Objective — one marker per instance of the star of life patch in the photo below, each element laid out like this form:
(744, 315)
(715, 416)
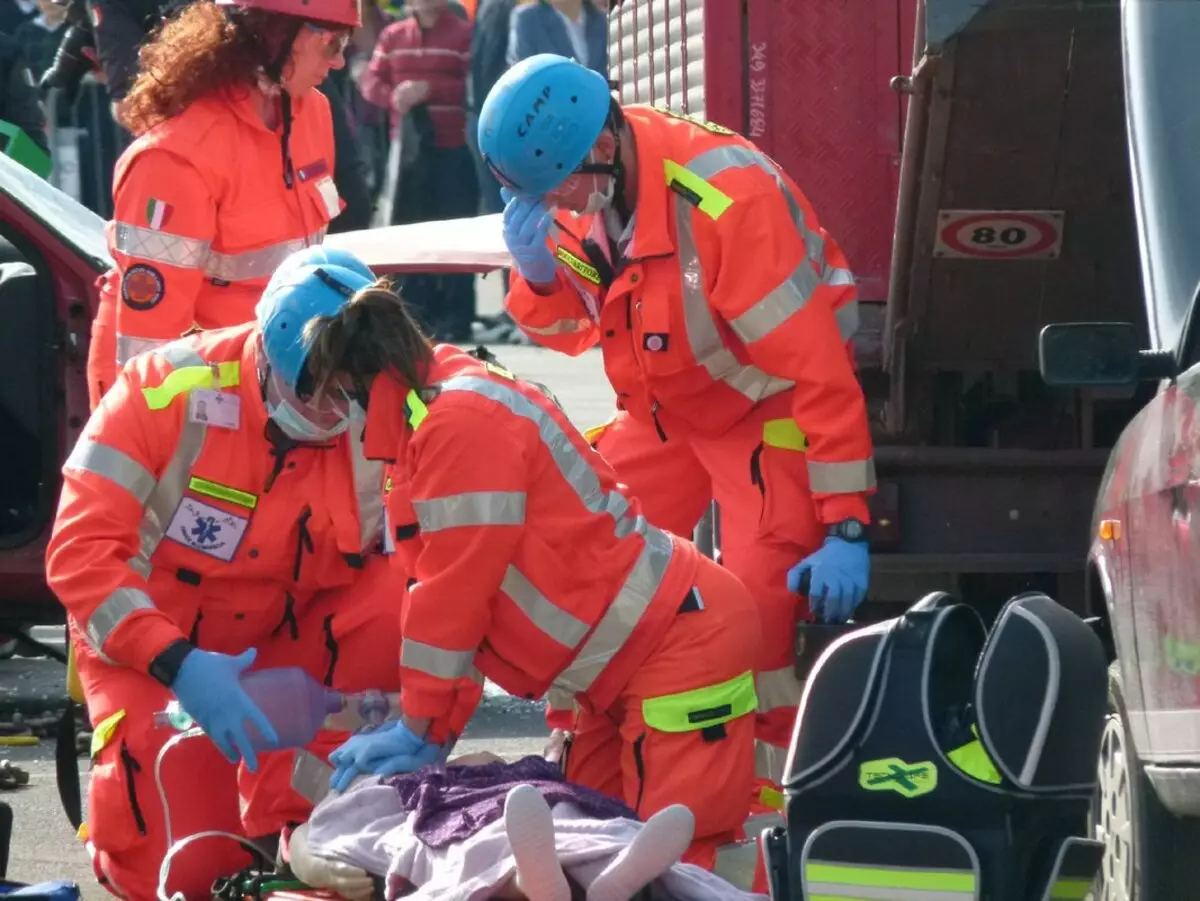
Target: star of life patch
(207, 529)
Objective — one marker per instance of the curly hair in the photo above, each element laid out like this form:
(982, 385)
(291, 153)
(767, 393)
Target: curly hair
(198, 52)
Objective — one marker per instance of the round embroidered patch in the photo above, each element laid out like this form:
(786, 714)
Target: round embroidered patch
(655, 343)
(142, 287)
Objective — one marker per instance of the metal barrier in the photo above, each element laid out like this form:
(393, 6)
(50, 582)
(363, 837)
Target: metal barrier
(85, 142)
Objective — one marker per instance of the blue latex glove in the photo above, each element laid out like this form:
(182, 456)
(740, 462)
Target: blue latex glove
(209, 688)
(526, 224)
(389, 749)
(837, 575)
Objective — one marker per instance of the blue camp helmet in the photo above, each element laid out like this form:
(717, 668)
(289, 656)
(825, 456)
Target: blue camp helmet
(317, 254)
(296, 294)
(539, 121)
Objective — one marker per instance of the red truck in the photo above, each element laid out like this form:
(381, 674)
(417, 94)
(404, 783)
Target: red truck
(970, 158)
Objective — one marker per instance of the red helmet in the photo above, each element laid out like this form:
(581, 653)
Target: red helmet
(339, 12)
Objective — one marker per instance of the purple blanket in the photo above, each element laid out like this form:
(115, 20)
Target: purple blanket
(454, 803)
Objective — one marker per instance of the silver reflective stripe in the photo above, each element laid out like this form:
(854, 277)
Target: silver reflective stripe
(112, 612)
(646, 575)
(436, 662)
(555, 622)
(703, 337)
(114, 465)
(471, 508)
(561, 327)
(777, 688)
(769, 762)
(775, 309)
(254, 264)
(161, 247)
(841, 478)
(129, 347)
(713, 162)
(368, 489)
(168, 493)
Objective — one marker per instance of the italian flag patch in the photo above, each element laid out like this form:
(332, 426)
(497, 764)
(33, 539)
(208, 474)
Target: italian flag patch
(157, 213)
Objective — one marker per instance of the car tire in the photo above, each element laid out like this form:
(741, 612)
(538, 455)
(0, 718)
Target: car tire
(1149, 853)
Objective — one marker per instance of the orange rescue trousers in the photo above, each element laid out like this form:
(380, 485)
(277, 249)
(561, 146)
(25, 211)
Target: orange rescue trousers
(141, 798)
(713, 639)
(759, 478)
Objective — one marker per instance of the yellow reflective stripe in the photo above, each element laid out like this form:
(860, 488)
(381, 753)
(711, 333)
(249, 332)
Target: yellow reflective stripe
(103, 733)
(580, 267)
(592, 435)
(186, 378)
(890, 877)
(711, 201)
(498, 371)
(771, 798)
(784, 433)
(1070, 889)
(416, 410)
(223, 492)
(687, 711)
(972, 758)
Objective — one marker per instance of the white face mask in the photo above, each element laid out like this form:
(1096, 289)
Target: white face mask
(598, 201)
(296, 427)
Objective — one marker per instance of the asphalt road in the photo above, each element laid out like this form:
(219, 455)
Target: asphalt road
(44, 845)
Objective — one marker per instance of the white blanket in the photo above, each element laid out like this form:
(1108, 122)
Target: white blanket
(367, 827)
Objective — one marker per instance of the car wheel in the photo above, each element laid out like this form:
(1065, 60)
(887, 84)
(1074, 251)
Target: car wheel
(1149, 853)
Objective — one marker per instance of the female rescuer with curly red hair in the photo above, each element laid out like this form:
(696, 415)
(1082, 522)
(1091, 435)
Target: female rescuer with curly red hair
(532, 563)
(231, 169)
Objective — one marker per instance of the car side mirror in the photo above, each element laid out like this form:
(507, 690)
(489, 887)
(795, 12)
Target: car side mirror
(1098, 355)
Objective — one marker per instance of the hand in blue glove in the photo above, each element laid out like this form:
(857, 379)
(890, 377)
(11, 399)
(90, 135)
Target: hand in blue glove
(837, 574)
(389, 749)
(209, 688)
(526, 224)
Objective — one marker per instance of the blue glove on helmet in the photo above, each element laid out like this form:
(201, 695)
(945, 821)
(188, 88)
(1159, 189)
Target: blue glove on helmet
(540, 120)
(526, 225)
(391, 748)
(209, 687)
(837, 577)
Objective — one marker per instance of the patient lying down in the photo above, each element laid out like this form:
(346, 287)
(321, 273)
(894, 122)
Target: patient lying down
(482, 828)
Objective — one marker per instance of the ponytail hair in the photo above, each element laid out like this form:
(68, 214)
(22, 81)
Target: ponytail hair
(371, 335)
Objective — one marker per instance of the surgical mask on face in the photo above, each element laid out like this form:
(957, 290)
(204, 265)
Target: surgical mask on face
(598, 201)
(296, 427)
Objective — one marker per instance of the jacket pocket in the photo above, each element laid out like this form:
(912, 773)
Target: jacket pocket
(116, 819)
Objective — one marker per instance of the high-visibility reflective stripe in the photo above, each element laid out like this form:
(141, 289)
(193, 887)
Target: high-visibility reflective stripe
(841, 478)
(223, 492)
(643, 580)
(580, 267)
(566, 629)
(1070, 889)
(112, 612)
(778, 306)
(471, 508)
(561, 327)
(185, 378)
(769, 762)
(129, 347)
(708, 199)
(161, 247)
(973, 759)
(194, 253)
(368, 492)
(254, 264)
(777, 688)
(703, 337)
(887, 883)
(700, 708)
(436, 662)
(114, 465)
(732, 156)
(785, 434)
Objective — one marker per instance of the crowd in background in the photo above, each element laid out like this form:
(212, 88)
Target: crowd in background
(405, 108)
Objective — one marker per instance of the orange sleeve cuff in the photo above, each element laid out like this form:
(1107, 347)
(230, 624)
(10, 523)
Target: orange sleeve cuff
(435, 702)
(834, 508)
(141, 638)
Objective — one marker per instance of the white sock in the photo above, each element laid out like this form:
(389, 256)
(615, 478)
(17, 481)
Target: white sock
(530, 831)
(656, 848)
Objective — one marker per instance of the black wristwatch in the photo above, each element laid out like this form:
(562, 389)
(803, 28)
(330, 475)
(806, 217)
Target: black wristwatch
(852, 530)
(165, 667)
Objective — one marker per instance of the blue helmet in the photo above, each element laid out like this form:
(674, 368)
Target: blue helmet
(540, 120)
(297, 294)
(316, 254)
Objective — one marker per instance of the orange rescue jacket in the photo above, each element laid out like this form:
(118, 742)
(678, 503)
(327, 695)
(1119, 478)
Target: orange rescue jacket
(180, 518)
(202, 216)
(727, 292)
(530, 561)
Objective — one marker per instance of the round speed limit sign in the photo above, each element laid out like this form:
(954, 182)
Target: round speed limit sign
(999, 234)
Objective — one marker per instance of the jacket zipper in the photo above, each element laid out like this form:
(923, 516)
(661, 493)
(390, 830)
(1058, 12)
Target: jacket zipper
(132, 767)
(757, 480)
(639, 763)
